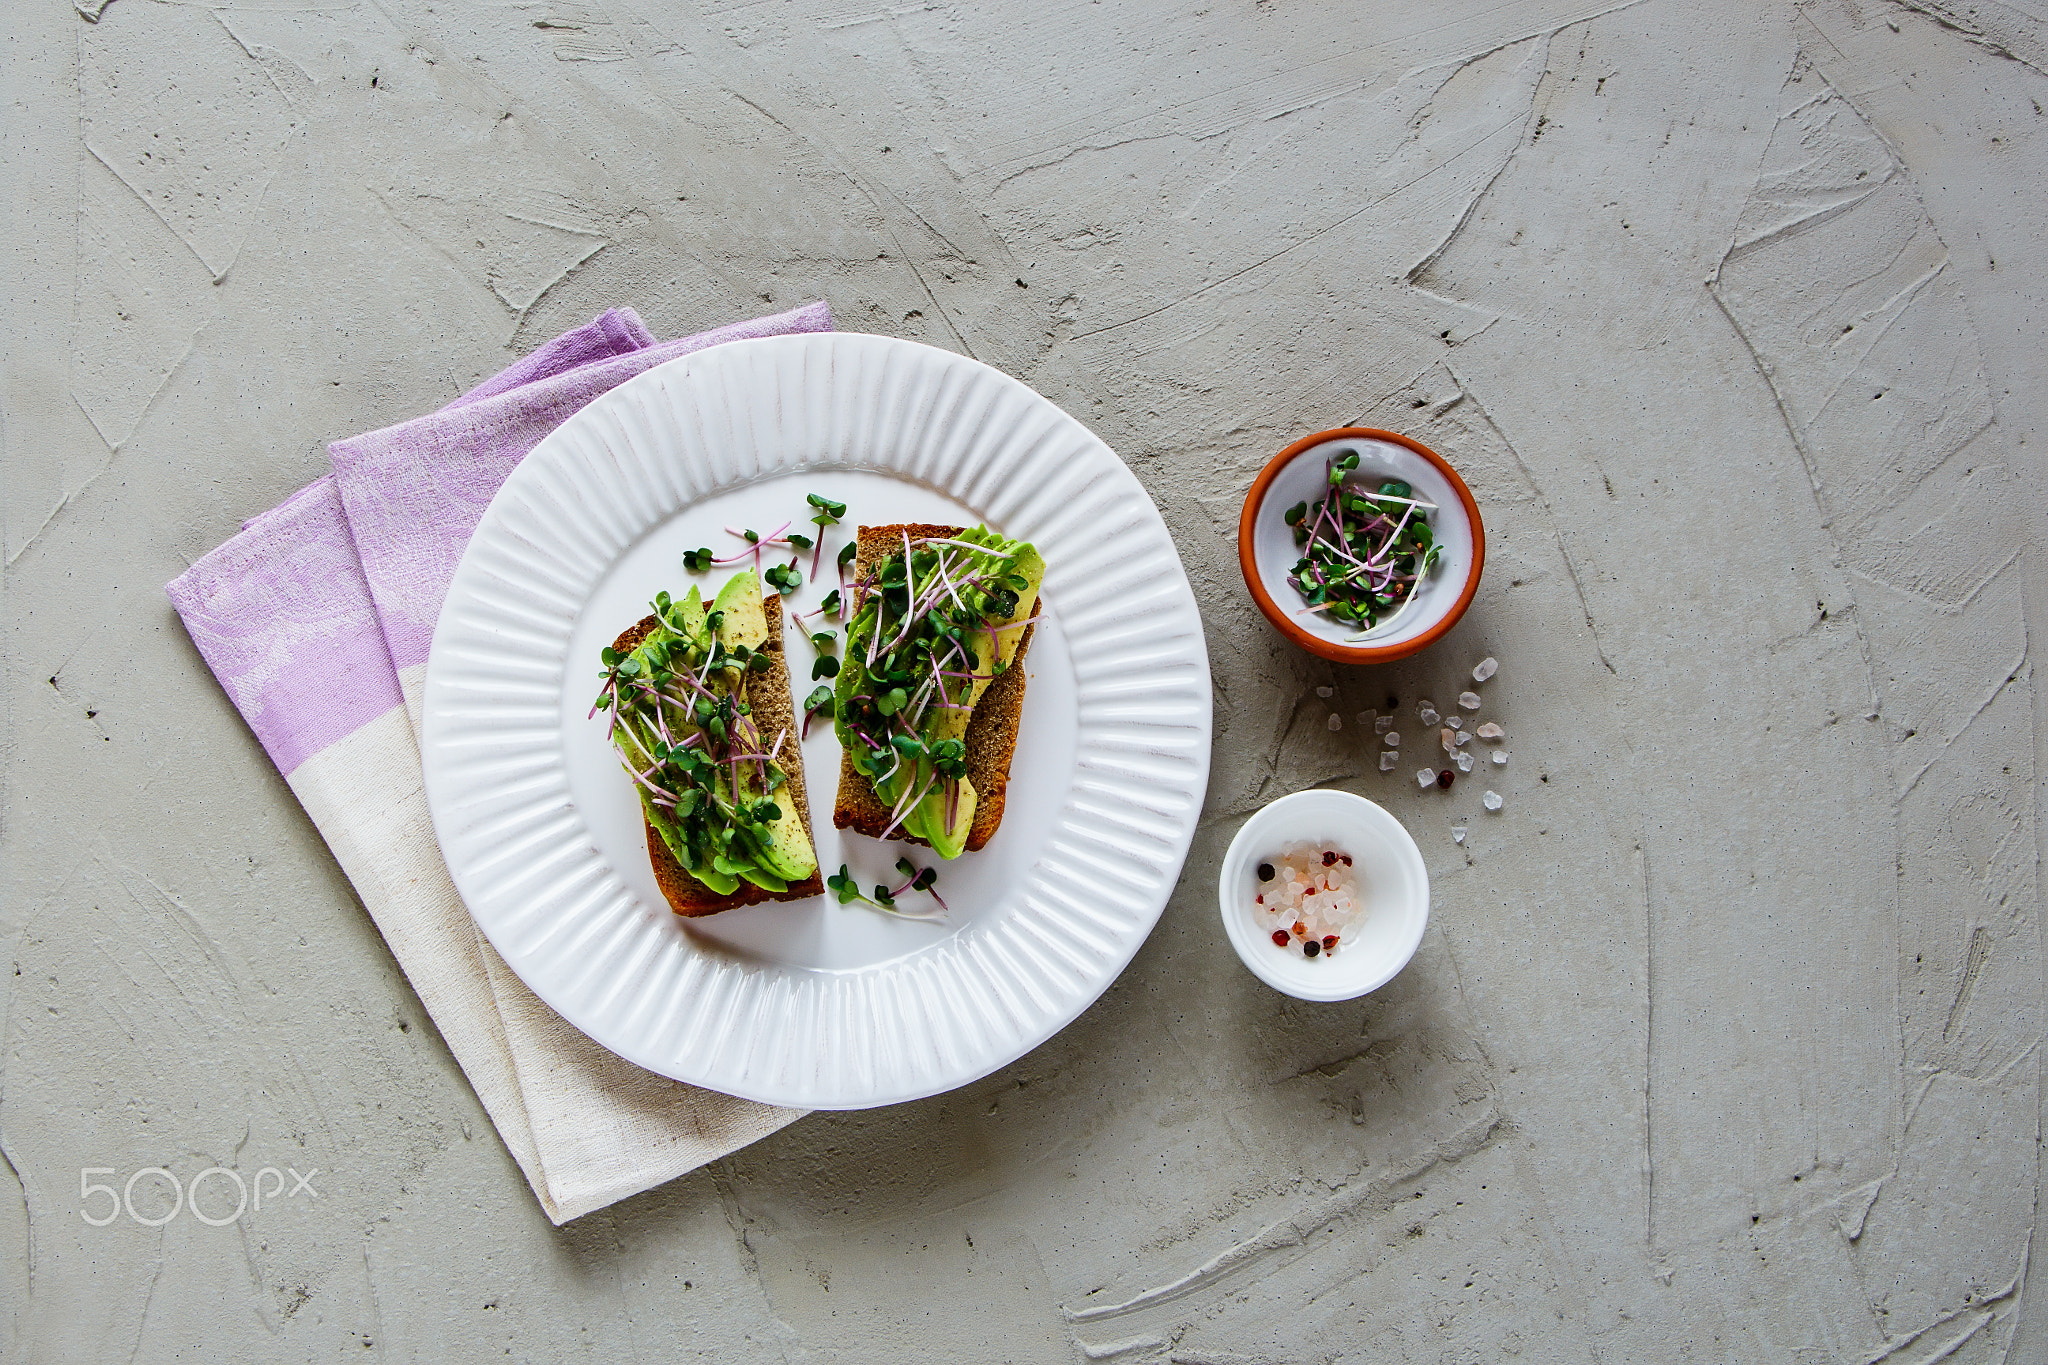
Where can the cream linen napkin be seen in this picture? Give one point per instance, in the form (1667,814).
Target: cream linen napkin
(316,619)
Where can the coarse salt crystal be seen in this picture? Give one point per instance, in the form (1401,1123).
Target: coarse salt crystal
(1464,762)
(1392,739)
(1500,758)
(1326,692)
(1327,902)
(1382,724)
(1491,800)
(1427,714)
(1464,736)
(1388,758)
(1448,738)
(1485,668)
(1425,777)
(1336,721)
(1469,700)
(1457,834)
(1490,730)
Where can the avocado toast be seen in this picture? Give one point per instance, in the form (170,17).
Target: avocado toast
(931,689)
(702,718)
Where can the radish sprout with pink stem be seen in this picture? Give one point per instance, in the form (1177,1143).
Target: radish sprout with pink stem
(914,879)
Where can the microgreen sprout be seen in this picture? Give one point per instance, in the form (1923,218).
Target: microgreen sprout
(783,577)
(826,514)
(697,561)
(829,512)
(883,898)
(1363,553)
(756,543)
(828,608)
(825,667)
(819,700)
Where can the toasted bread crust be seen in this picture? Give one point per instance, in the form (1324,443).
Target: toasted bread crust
(991,731)
(773,710)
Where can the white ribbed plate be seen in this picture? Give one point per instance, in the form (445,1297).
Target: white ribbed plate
(811,1003)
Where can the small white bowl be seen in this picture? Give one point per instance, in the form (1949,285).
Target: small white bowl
(1391,875)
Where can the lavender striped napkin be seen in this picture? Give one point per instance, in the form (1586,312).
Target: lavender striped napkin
(317,619)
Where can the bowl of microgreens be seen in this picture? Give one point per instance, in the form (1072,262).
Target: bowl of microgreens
(1361,546)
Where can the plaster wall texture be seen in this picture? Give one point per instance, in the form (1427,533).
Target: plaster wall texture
(1725,1040)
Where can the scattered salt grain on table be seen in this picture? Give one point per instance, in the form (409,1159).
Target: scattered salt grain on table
(1485,668)
(1464,736)
(1425,777)
(1448,738)
(1427,714)
(1336,721)
(1457,834)
(1464,762)
(1500,758)
(1326,692)
(1388,758)
(1392,739)
(1489,731)
(1491,800)
(1469,700)
(1382,724)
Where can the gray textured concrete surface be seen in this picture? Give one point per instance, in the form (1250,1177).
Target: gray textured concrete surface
(1725,1040)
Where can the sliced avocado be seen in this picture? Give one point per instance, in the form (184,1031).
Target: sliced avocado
(767,880)
(993,650)
(786,851)
(690,611)
(746,619)
(928,821)
(714,881)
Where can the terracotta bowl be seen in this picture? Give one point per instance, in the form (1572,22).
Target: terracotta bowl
(1266,550)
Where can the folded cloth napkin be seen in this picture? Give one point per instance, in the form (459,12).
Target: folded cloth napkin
(317,619)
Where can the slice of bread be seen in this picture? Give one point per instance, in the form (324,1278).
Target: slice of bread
(774,712)
(991,731)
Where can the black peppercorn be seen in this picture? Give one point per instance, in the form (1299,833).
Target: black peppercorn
(1311,948)
(1265,872)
